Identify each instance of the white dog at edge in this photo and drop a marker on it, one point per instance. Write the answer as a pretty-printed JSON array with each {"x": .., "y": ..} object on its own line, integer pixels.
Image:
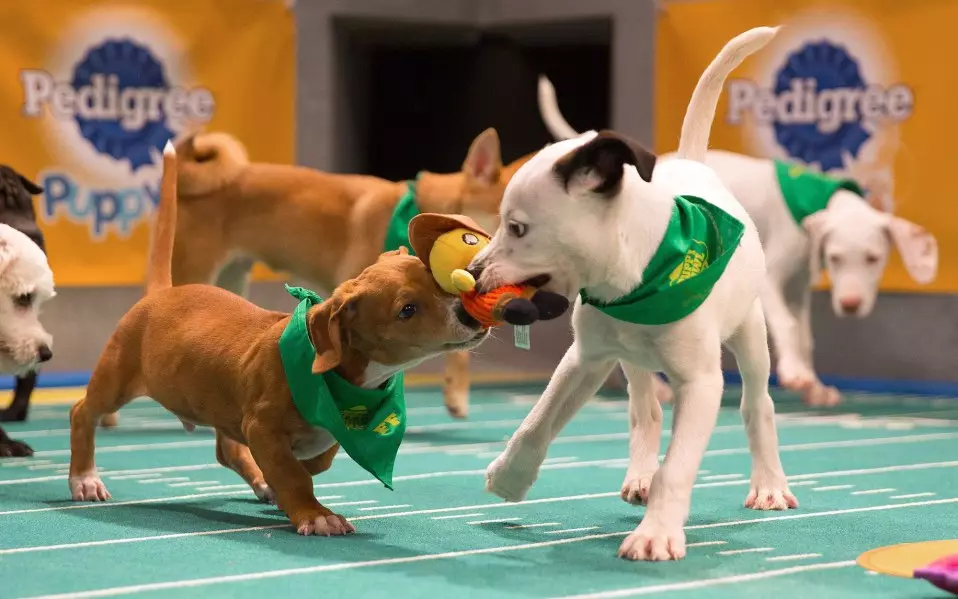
[
  {"x": 588, "y": 214},
  {"x": 26, "y": 283},
  {"x": 850, "y": 236}
]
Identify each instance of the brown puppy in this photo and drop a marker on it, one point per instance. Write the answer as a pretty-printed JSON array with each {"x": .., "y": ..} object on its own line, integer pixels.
[
  {"x": 212, "y": 358},
  {"x": 321, "y": 227}
]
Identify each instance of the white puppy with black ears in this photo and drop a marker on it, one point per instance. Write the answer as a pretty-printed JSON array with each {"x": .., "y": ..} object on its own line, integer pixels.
[
  {"x": 669, "y": 267},
  {"x": 26, "y": 282}
]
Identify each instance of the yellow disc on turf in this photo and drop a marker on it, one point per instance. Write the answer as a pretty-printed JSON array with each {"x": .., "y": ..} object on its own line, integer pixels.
[{"x": 902, "y": 560}]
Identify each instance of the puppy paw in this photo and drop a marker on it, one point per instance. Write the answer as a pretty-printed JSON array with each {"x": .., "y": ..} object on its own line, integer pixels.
[
  {"x": 324, "y": 525},
  {"x": 512, "y": 474},
  {"x": 110, "y": 420},
  {"x": 763, "y": 495},
  {"x": 14, "y": 449},
  {"x": 795, "y": 376},
  {"x": 88, "y": 487},
  {"x": 264, "y": 493},
  {"x": 654, "y": 542},
  {"x": 820, "y": 395},
  {"x": 635, "y": 489},
  {"x": 662, "y": 390},
  {"x": 457, "y": 402}
]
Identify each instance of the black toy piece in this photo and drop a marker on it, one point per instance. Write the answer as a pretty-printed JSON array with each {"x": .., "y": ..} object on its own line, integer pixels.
[{"x": 544, "y": 305}]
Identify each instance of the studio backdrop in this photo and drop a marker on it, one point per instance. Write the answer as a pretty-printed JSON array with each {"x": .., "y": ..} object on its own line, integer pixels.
[
  {"x": 91, "y": 90},
  {"x": 862, "y": 88}
]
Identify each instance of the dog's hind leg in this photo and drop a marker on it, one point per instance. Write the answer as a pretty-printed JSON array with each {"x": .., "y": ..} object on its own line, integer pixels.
[
  {"x": 17, "y": 410},
  {"x": 455, "y": 388},
  {"x": 106, "y": 393},
  {"x": 237, "y": 457},
  {"x": 645, "y": 434},
  {"x": 233, "y": 276},
  {"x": 574, "y": 382},
  {"x": 749, "y": 344}
]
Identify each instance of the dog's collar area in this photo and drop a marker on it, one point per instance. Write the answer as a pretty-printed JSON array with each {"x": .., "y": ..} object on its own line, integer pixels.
[
  {"x": 407, "y": 208},
  {"x": 698, "y": 243},
  {"x": 806, "y": 192},
  {"x": 369, "y": 424}
]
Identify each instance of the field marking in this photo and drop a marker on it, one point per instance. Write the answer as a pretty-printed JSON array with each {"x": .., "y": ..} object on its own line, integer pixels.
[
  {"x": 385, "y": 507},
  {"x": 24, "y": 462},
  {"x": 493, "y": 521},
  {"x": 721, "y": 476},
  {"x": 223, "y": 488},
  {"x": 874, "y": 491},
  {"x": 169, "y": 479},
  {"x": 912, "y": 495},
  {"x": 788, "y": 558},
  {"x": 707, "y": 543},
  {"x": 749, "y": 550},
  {"x": 833, "y": 488},
  {"x": 454, "y": 516},
  {"x": 800, "y": 483},
  {"x": 537, "y": 525},
  {"x": 132, "y": 476},
  {"x": 564, "y": 530},
  {"x": 345, "y": 503},
  {"x": 160, "y": 469},
  {"x": 194, "y": 483},
  {"x": 705, "y": 582}
]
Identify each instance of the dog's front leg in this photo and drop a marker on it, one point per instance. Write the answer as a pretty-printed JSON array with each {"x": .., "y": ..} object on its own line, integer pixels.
[
  {"x": 645, "y": 434},
  {"x": 819, "y": 394},
  {"x": 783, "y": 323},
  {"x": 769, "y": 488},
  {"x": 456, "y": 384},
  {"x": 698, "y": 395},
  {"x": 574, "y": 382},
  {"x": 292, "y": 484}
]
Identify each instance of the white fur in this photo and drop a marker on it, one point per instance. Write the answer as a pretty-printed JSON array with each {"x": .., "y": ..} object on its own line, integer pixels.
[
  {"x": 851, "y": 240},
  {"x": 603, "y": 245},
  {"x": 24, "y": 272}
]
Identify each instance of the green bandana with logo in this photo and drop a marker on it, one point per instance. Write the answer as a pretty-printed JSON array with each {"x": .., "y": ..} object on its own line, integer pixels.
[
  {"x": 807, "y": 192},
  {"x": 368, "y": 423},
  {"x": 698, "y": 244},
  {"x": 397, "y": 233}
]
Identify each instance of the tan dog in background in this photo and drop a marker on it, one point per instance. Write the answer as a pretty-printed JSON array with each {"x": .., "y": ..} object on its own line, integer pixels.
[
  {"x": 321, "y": 227},
  {"x": 213, "y": 359}
]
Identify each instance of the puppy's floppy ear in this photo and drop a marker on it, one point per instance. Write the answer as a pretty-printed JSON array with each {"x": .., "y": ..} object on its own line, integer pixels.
[
  {"x": 816, "y": 227},
  {"x": 598, "y": 165},
  {"x": 326, "y": 325},
  {"x": 483, "y": 162},
  {"x": 30, "y": 186},
  {"x": 918, "y": 249}
]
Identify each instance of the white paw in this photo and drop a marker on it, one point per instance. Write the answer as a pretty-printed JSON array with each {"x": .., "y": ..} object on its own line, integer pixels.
[
  {"x": 635, "y": 489},
  {"x": 457, "y": 402},
  {"x": 654, "y": 542},
  {"x": 324, "y": 526},
  {"x": 513, "y": 473},
  {"x": 264, "y": 493},
  {"x": 88, "y": 487},
  {"x": 821, "y": 395},
  {"x": 795, "y": 376},
  {"x": 764, "y": 495}
]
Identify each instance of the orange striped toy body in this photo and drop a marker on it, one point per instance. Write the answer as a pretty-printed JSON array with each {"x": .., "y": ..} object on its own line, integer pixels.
[{"x": 488, "y": 307}]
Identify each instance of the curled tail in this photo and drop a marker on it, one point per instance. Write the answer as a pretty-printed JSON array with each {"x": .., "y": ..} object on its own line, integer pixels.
[
  {"x": 558, "y": 127},
  {"x": 208, "y": 162},
  {"x": 160, "y": 270},
  {"x": 693, "y": 144}
]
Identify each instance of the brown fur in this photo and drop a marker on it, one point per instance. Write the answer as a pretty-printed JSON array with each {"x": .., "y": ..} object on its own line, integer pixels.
[
  {"x": 321, "y": 227},
  {"x": 212, "y": 358}
]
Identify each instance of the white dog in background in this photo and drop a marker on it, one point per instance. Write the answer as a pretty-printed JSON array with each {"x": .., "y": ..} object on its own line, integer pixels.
[
  {"x": 26, "y": 282},
  {"x": 589, "y": 214},
  {"x": 849, "y": 236}
]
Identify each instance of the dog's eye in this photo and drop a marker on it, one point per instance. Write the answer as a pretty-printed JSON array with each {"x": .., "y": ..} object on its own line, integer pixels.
[
  {"x": 517, "y": 229},
  {"x": 835, "y": 259},
  {"x": 408, "y": 311},
  {"x": 24, "y": 300},
  {"x": 871, "y": 259}
]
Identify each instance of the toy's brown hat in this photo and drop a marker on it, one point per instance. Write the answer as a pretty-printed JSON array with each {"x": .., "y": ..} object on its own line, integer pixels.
[{"x": 426, "y": 228}]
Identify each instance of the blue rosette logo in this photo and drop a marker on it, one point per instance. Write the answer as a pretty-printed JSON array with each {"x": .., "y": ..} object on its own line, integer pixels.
[
  {"x": 135, "y": 84},
  {"x": 820, "y": 107}
]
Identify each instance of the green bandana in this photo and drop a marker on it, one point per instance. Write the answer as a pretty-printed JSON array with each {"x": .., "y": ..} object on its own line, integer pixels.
[
  {"x": 807, "y": 192},
  {"x": 368, "y": 423},
  {"x": 397, "y": 233},
  {"x": 698, "y": 244}
]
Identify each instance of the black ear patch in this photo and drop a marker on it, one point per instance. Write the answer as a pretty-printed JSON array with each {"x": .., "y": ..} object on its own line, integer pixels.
[
  {"x": 30, "y": 186},
  {"x": 605, "y": 155}
]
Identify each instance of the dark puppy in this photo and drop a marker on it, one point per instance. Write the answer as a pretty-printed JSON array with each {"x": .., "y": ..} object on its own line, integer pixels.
[{"x": 16, "y": 210}]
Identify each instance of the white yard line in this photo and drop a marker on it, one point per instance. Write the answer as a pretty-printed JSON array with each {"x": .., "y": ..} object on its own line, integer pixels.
[
  {"x": 194, "y": 483},
  {"x": 912, "y": 495},
  {"x": 384, "y": 507},
  {"x": 537, "y": 525},
  {"x": 788, "y": 558},
  {"x": 456, "y": 516},
  {"x": 873, "y": 491},
  {"x": 493, "y": 521},
  {"x": 170, "y": 479},
  {"x": 565, "y": 530},
  {"x": 132, "y": 476},
  {"x": 833, "y": 488},
  {"x": 721, "y": 476},
  {"x": 749, "y": 550}
]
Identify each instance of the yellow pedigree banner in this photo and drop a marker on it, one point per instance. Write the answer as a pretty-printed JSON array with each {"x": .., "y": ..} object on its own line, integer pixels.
[
  {"x": 90, "y": 91},
  {"x": 862, "y": 88}
]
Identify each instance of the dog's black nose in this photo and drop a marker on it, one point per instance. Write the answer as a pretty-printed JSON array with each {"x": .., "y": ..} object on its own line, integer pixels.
[
  {"x": 44, "y": 354},
  {"x": 475, "y": 271}
]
